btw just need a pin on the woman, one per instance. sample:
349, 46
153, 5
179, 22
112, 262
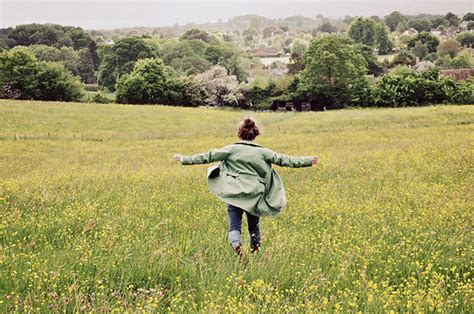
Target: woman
245, 180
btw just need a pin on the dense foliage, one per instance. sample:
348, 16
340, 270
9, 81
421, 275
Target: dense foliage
248, 57
409, 88
334, 72
67, 44
22, 76
151, 83
120, 59
425, 38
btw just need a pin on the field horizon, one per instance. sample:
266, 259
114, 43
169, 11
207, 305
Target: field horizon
96, 216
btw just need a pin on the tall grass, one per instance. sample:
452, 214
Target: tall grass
95, 216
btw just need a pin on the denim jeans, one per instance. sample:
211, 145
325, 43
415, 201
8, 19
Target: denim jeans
235, 227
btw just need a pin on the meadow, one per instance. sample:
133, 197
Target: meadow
96, 216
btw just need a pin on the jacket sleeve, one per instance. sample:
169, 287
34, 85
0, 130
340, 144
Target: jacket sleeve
207, 157
288, 161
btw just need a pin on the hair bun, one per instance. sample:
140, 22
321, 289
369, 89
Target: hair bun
248, 129
249, 123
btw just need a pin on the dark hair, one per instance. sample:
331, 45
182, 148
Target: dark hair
247, 130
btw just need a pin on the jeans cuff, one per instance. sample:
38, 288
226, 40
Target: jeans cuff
234, 237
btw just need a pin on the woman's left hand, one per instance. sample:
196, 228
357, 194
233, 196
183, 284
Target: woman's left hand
178, 157
314, 160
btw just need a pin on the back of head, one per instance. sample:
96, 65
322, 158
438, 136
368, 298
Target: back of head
248, 130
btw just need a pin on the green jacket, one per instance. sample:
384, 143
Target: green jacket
245, 177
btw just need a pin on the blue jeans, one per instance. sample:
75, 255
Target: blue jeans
235, 227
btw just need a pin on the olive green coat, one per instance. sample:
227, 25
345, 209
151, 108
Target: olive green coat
245, 177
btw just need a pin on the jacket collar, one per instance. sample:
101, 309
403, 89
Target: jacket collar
244, 142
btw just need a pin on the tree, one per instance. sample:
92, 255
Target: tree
402, 26
384, 43
373, 65
468, 17
65, 55
270, 31
121, 58
52, 35
78, 62
196, 33
23, 77
191, 65
393, 19
431, 41
449, 47
420, 50
85, 66
363, 31
420, 24
327, 27
17, 68
148, 83
298, 46
334, 72
229, 56
466, 39
55, 83
439, 22
403, 58
217, 88
297, 49
453, 19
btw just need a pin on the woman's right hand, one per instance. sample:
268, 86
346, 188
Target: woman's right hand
178, 157
314, 160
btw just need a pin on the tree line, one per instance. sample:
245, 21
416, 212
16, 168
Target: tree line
48, 62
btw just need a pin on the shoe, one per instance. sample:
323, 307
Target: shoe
237, 249
255, 249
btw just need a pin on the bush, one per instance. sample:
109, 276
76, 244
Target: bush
101, 98
23, 77
218, 88
460, 62
403, 58
55, 83
412, 88
151, 83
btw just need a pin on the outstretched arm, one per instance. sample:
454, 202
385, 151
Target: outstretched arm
204, 158
290, 161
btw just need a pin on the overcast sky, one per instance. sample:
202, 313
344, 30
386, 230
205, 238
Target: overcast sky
109, 14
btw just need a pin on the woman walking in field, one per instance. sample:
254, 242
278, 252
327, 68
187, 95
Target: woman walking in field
245, 180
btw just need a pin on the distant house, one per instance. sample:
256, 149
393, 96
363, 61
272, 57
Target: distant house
424, 65
265, 52
410, 32
436, 32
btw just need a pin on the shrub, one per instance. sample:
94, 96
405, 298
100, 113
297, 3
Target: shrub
23, 77
55, 83
218, 88
101, 98
403, 58
411, 88
152, 83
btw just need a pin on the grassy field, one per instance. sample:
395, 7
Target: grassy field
95, 215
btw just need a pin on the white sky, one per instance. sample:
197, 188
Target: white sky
108, 14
